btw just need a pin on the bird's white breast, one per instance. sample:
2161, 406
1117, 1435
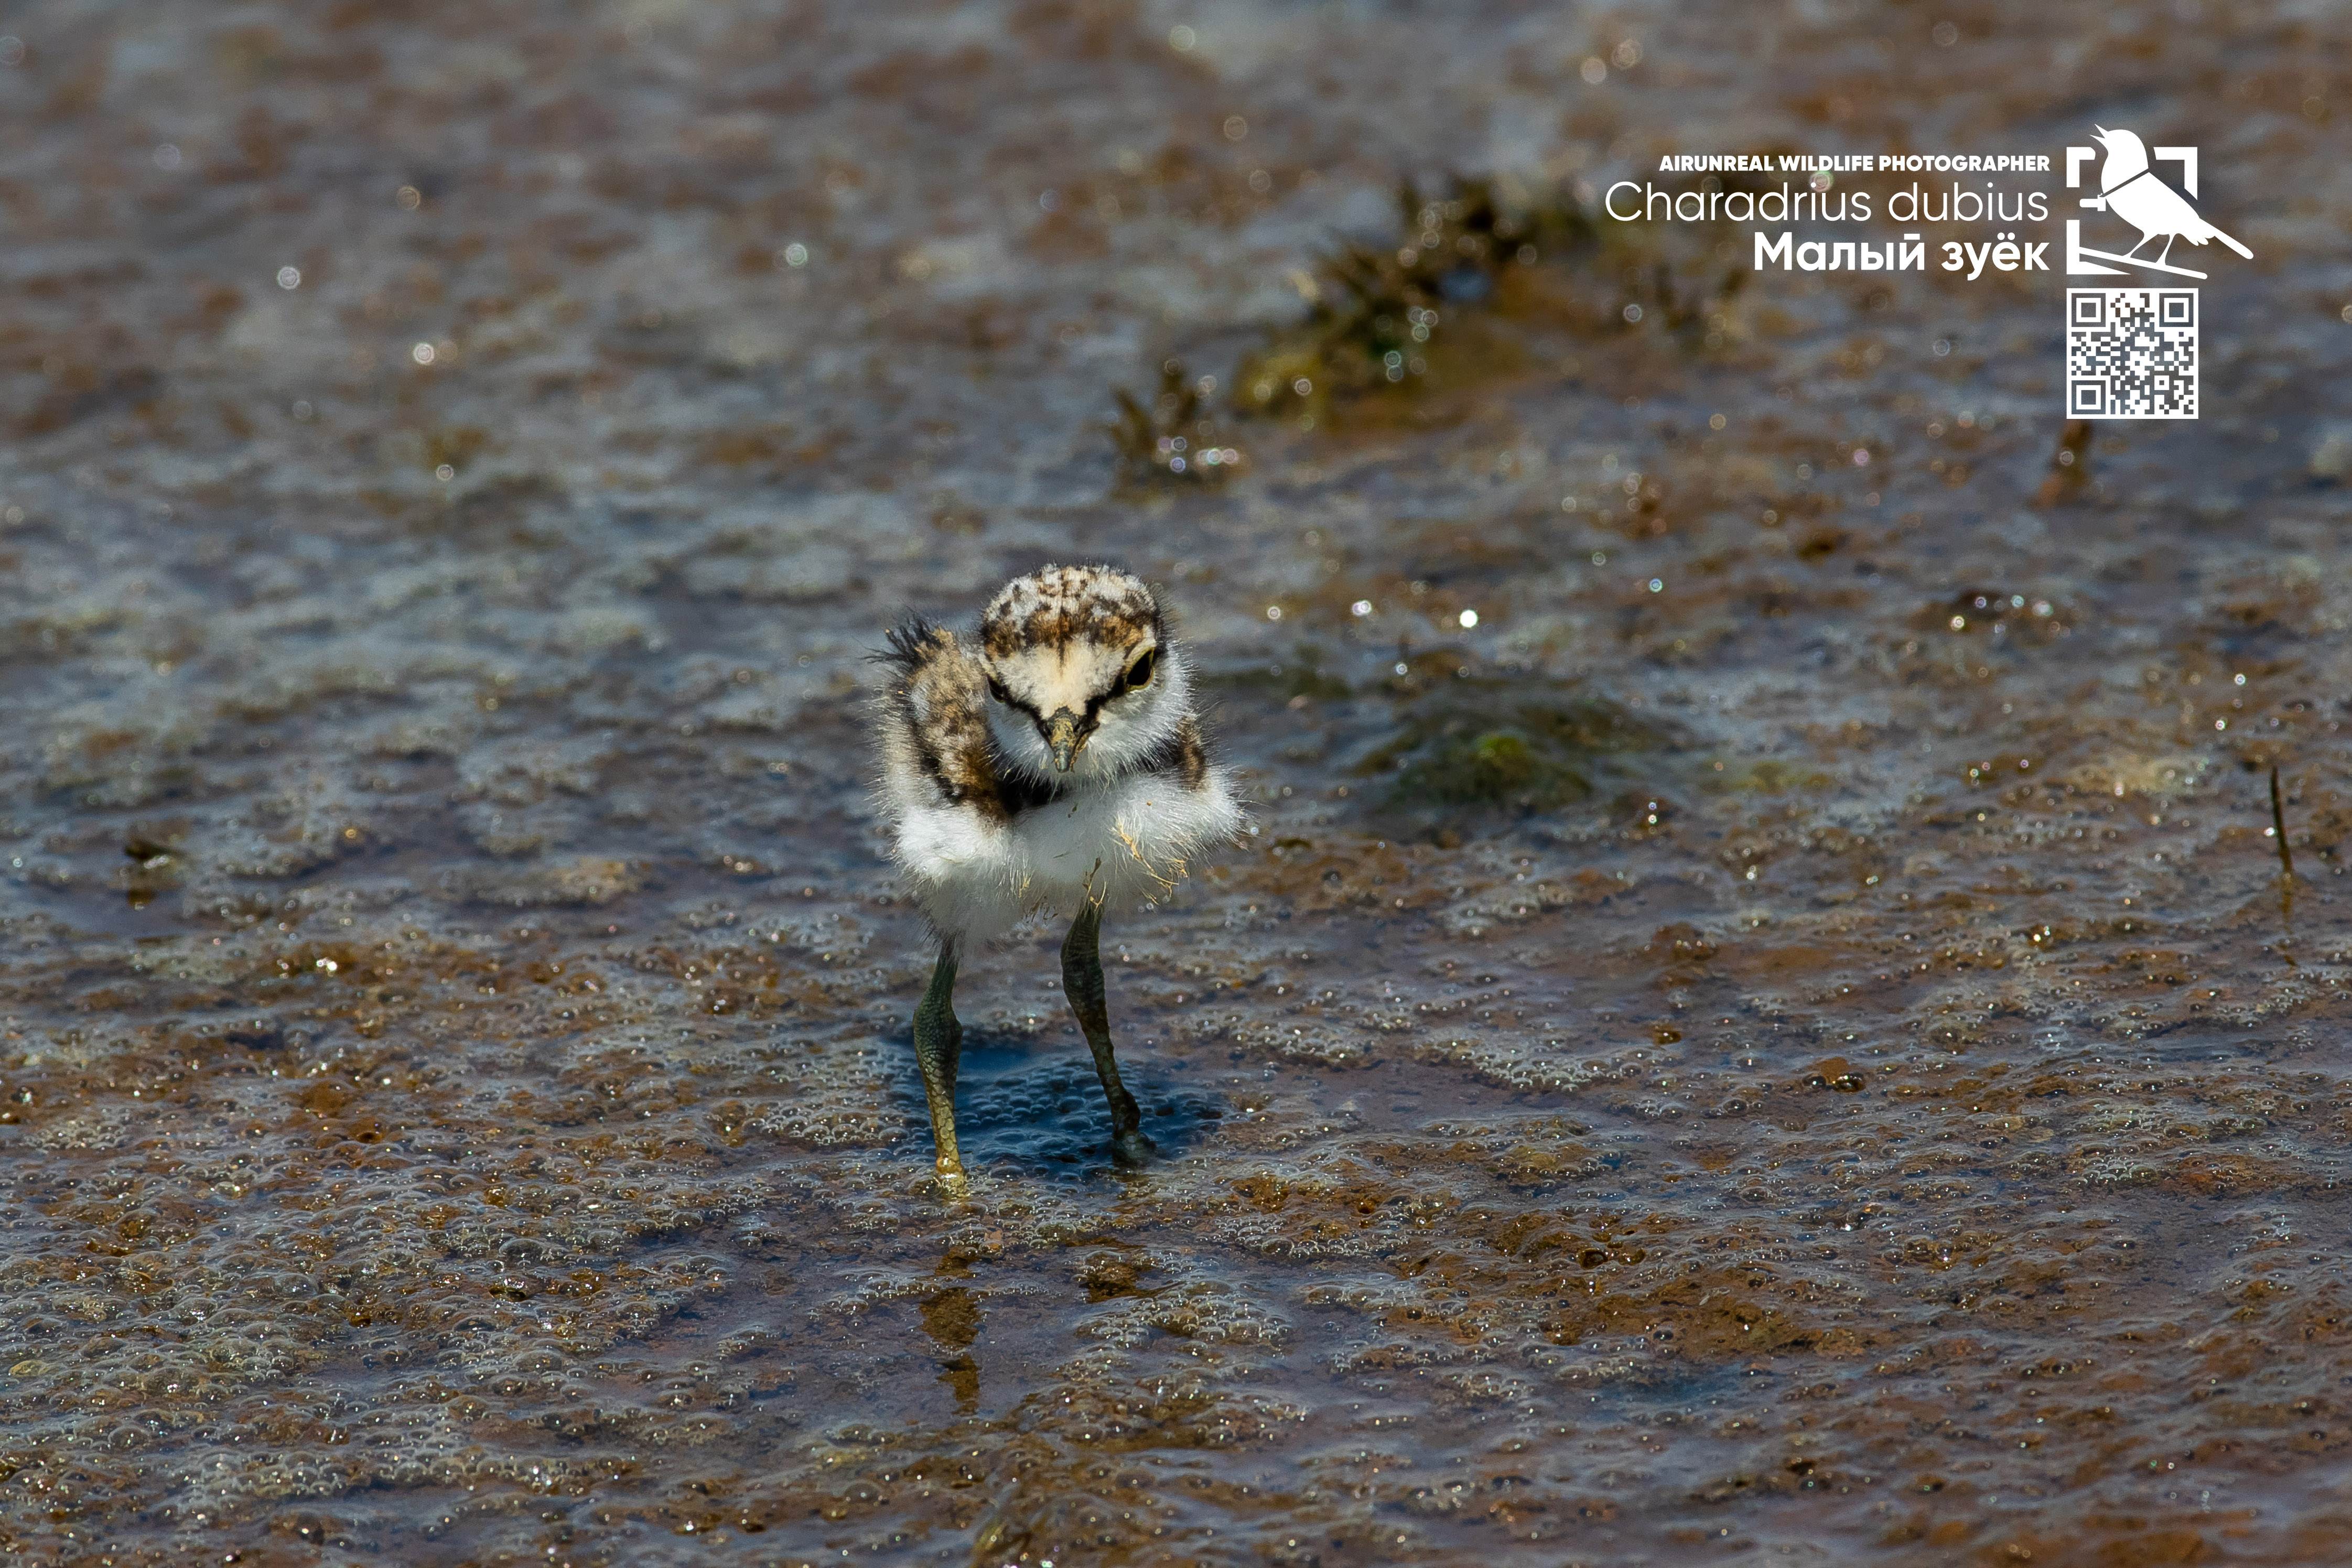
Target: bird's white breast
1124, 843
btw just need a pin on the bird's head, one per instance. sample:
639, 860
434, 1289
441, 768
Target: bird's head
2123, 146
1082, 676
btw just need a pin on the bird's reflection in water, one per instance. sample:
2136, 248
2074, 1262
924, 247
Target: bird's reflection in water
951, 1318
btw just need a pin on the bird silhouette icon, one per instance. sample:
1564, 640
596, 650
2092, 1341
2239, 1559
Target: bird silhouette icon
2128, 189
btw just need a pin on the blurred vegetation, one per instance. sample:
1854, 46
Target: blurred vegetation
1446, 301
1392, 315
1173, 438
1374, 310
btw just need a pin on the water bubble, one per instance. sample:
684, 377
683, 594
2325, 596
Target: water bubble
1181, 38
290, 277
1363, 607
1594, 70
422, 353
1469, 618
167, 156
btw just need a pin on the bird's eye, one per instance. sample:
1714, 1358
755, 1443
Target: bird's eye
1138, 674
996, 689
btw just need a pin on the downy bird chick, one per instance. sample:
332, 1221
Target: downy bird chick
1053, 762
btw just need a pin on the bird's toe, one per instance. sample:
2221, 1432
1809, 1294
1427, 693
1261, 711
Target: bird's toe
1133, 1149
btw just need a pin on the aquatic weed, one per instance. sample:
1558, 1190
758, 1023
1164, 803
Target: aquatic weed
1385, 316
1174, 438
2070, 465
1373, 310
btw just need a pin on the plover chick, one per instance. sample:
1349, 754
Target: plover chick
1053, 762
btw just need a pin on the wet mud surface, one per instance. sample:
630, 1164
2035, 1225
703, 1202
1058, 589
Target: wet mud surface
1759, 1021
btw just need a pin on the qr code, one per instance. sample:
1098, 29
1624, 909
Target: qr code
2131, 353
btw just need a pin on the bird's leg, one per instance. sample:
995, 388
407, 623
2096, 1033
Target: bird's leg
2168, 248
2135, 249
1082, 982
939, 1042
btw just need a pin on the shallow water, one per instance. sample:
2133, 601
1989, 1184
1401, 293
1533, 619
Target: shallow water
1787, 1040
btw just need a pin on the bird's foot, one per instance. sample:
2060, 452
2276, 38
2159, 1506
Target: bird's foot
1133, 1149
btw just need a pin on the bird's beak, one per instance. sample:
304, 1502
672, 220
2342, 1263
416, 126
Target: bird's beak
1062, 736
